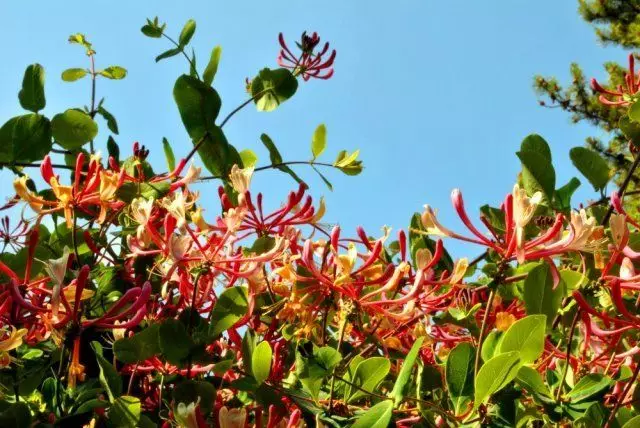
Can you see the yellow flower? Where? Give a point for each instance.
(504, 321)
(65, 199)
(20, 186)
(459, 270)
(393, 343)
(423, 258)
(320, 213)
(141, 212)
(198, 220)
(240, 178)
(186, 415)
(234, 418)
(431, 223)
(108, 187)
(192, 175)
(523, 210)
(177, 205)
(13, 341)
(233, 218)
(618, 225)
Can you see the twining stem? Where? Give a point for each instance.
(92, 113)
(343, 326)
(273, 166)
(34, 165)
(483, 327)
(193, 66)
(574, 323)
(192, 315)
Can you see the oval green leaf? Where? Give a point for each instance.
(261, 362)
(526, 336)
(73, 128)
(494, 375)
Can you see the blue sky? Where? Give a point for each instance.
(435, 94)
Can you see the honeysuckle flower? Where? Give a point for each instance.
(432, 225)
(621, 96)
(423, 258)
(189, 416)
(233, 218)
(12, 338)
(504, 320)
(109, 183)
(320, 213)
(619, 230)
(141, 210)
(308, 64)
(76, 370)
(177, 205)
(57, 269)
(64, 194)
(523, 209)
(459, 270)
(240, 178)
(198, 220)
(232, 418)
(23, 192)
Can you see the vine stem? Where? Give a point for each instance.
(92, 113)
(343, 326)
(34, 165)
(623, 188)
(483, 327)
(274, 166)
(574, 323)
(192, 316)
(192, 65)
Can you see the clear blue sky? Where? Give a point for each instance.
(435, 94)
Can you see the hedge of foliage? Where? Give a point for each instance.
(124, 304)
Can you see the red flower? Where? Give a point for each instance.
(622, 96)
(308, 64)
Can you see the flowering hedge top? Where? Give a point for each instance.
(123, 303)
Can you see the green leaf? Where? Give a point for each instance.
(73, 74)
(187, 33)
(174, 341)
(588, 387)
(168, 54)
(199, 106)
(109, 377)
(261, 362)
(634, 112)
(276, 157)
(526, 336)
(459, 375)
(111, 121)
(325, 179)
(249, 158)
(313, 366)
(632, 423)
(405, 373)
(168, 154)
(319, 141)
(270, 88)
(537, 173)
(539, 295)
(189, 391)
(125, 412)
(73, 128)
(30, 138)
(631, 129)
(231, 306)
(153, 28)
(532, 381)
(378, 416)
(591, 165)
(130, 190)
(368, 374)
(114, 72)
(212, 67)
(31, 95)
(494, 375)
(563, 194)
(490, 345)
(535, 143)
(139, 347)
